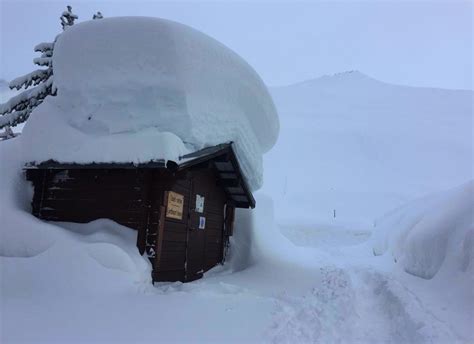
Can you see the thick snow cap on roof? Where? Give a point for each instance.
(138, 88)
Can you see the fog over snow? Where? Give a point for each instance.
(418, 43)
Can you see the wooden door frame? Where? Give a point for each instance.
(160, 234)
(191, 211)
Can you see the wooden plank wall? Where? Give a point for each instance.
(84, 195)
(133, 197)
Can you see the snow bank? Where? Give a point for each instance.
(125, 84)
(21, 235)
(102, 250)
(99, 257)
(433, 235)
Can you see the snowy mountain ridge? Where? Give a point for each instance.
(346, 75)
(354, 76)
(369, 146)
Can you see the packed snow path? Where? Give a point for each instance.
(327, 299)
(356, 306)
(351, 300)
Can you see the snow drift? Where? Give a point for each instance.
(146, 88)
(432, 235)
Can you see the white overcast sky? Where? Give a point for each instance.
(422, 43)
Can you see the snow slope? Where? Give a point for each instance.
(295, 275)
(362, 147)
(147, 88)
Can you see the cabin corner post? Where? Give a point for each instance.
(228, 230)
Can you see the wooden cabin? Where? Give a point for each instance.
(183, 211)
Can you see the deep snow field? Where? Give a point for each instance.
(395, 265)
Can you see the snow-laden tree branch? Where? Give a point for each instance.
(18, 108)
(43, 61)
(44, 47)
(34, 78)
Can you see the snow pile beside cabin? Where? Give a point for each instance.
(135, 89)
(432, 236)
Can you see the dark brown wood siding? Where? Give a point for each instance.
(83, 195)
(136, 198)
(179, 255)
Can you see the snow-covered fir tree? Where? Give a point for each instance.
(18, 108)
(67, 18)
(98, 15)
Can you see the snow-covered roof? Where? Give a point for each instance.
(222, 156)
(135, 89)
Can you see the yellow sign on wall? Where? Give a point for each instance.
(174, 208)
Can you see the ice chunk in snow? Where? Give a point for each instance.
(123, 82)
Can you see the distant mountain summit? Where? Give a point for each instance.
(369, 145)
(353, 78)
(347, 76)
(355, 93)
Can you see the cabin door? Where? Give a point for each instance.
(195, 255)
